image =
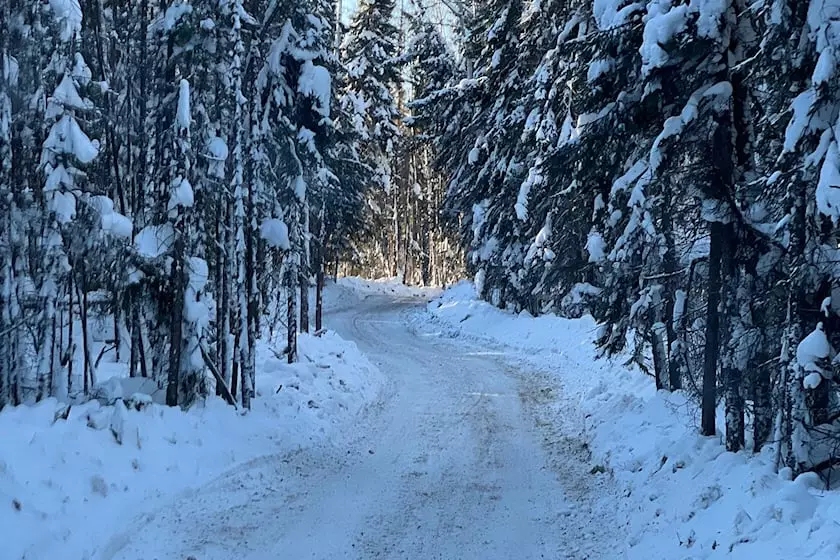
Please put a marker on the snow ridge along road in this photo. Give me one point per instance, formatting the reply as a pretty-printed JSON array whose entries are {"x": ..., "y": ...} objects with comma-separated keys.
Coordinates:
[{"x": 463, "y": 458}]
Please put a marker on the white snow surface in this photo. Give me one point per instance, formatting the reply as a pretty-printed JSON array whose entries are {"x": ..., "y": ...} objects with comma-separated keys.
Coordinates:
[
  {"x": 67, "y": 137},
  {"x": 182, "y": 194},
  {"x": 448, "y": 429},
  {"x": 828, "y": 187},
  {"x": 596, "y": 247},
  {"x": 679, "y": 494},
  {"x": 665, "y": 19},
  {"x": 81, "y": 494},
  {"x": 452, "y": 462},
  {"x": 612, "y": 13},
  {"x": 67, "y": 95}
]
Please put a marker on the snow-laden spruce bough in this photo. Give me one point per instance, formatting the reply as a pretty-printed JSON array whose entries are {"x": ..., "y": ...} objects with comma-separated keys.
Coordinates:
[{"x": 175, "y": 175}]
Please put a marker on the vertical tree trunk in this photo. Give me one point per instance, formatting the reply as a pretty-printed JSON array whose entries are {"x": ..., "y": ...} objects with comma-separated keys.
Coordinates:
[
  {"x": 669, "y": 263},
  {"x": 70, "y": 341},
  {"x": 176, "y": 322},
  {"x": 117, "y": 329},
  {"x": 87, "y": 354},
  {"x": 223, "y": 311},
  {"x": 789, "y": 396},
  {"x": 712, "y": 346},
  {"x": 304, "y": 305},
  {"x": 319, "y": 294},
  {"x": 732, "y": 369},
  {"x": 658, "y": 337},
  {"x": 762, "y": 408},
  {"x": 6, "y": 197},
  {"x": 305, "y": 271},
  {"x": 319, "y": 270},
  {"x": 291, "y": 308}
]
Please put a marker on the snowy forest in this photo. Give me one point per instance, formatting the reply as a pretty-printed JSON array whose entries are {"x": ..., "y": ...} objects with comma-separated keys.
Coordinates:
[{"x": 187, "y": 170}]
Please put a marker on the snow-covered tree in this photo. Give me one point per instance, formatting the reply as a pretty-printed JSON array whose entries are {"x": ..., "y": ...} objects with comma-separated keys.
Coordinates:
[{"x": 369, "y": 52}]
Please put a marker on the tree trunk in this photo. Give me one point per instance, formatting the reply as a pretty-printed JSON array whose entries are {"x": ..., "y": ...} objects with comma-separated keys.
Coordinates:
[
  {"x": 732, "y": 370},
  {"x": 304, "y": 303},
  {"x": 712, "y": 346},
  {"x": 70, "y": 330},
  {"x": 658, "y": 337},
  {"x": 762, "y": 408},
  {"x": 319, "y": 270},
  {"x": 319, "y": 295},
  {"x": 291, "y": 308},
  {"x": 87, "y": 351},
  {"x": 176, "y": 317}
]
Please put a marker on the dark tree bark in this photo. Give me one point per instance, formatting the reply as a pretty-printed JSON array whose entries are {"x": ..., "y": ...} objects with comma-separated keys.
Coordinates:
[
  {"x": 319, "y": 297},
  {"x": 711, "y": 352},
  {"x": 176, "y": 326},
  {"x": 731, "y": 372},
  {"x": 762, "y": 408},
  {"x": 291, "y": 311}
]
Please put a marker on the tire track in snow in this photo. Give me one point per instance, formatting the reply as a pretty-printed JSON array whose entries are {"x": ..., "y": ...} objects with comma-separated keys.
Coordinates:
[{"x": 461, "y": 460}]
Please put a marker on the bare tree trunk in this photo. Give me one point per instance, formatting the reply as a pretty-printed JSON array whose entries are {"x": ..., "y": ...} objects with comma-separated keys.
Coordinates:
[
  {"x": 291, "y": 308},
  {"x": 234, "y": 367},
  {"x": 712, "y": 347},
  {"x": 731, "y": 370},
  {"x": 762, "y": 408},
  {"x": 70, "y": 347},
  {"x": 658, "y": 337},
  {"x": 304, "y": 300},
  {"x": 117, "y": 330},
  {"x": 89, "y": 377},
  {"x": 319, "y": 294},
  {"x": 319, "y": 270},
  {"x": 176, "y": 320}
]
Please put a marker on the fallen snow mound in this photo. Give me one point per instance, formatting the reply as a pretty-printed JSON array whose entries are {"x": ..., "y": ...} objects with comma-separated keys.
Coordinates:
[
  {"x": 385, "y": 286},
  {"x": 67, "y": 485}
]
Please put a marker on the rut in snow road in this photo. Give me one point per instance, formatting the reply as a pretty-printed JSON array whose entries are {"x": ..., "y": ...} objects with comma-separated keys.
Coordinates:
[{"x": 457, "y": 460}]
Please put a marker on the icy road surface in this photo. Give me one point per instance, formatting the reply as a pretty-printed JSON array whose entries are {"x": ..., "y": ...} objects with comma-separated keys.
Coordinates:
[{"x": 465, "y": 457}]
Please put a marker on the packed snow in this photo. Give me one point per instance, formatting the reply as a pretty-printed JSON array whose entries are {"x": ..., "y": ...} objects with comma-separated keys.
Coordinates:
[
  {"x": 682, "y": 495},
  {"x": 451, "y": 462}
]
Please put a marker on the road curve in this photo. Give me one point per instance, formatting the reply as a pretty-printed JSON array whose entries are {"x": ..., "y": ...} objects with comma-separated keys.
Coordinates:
[{"x": 457, "y": 461}]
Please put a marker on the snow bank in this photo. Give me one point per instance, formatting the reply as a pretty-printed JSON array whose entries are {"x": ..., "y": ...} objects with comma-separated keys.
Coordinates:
[
  {"x": 683, "y": 495},
  {"x": 68, "y": 485},
  {"x": 381, "y": 286}
]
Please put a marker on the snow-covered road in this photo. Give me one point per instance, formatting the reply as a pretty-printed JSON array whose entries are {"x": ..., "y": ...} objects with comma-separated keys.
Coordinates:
[{"x": 461, "y": 458}]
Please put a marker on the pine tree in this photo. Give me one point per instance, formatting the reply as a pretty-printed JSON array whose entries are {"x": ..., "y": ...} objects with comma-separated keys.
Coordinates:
[
  {"x": 65, "y": 150},
  {"x": 369, "y": 52},
  {"x": 431, "y": 68}
]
